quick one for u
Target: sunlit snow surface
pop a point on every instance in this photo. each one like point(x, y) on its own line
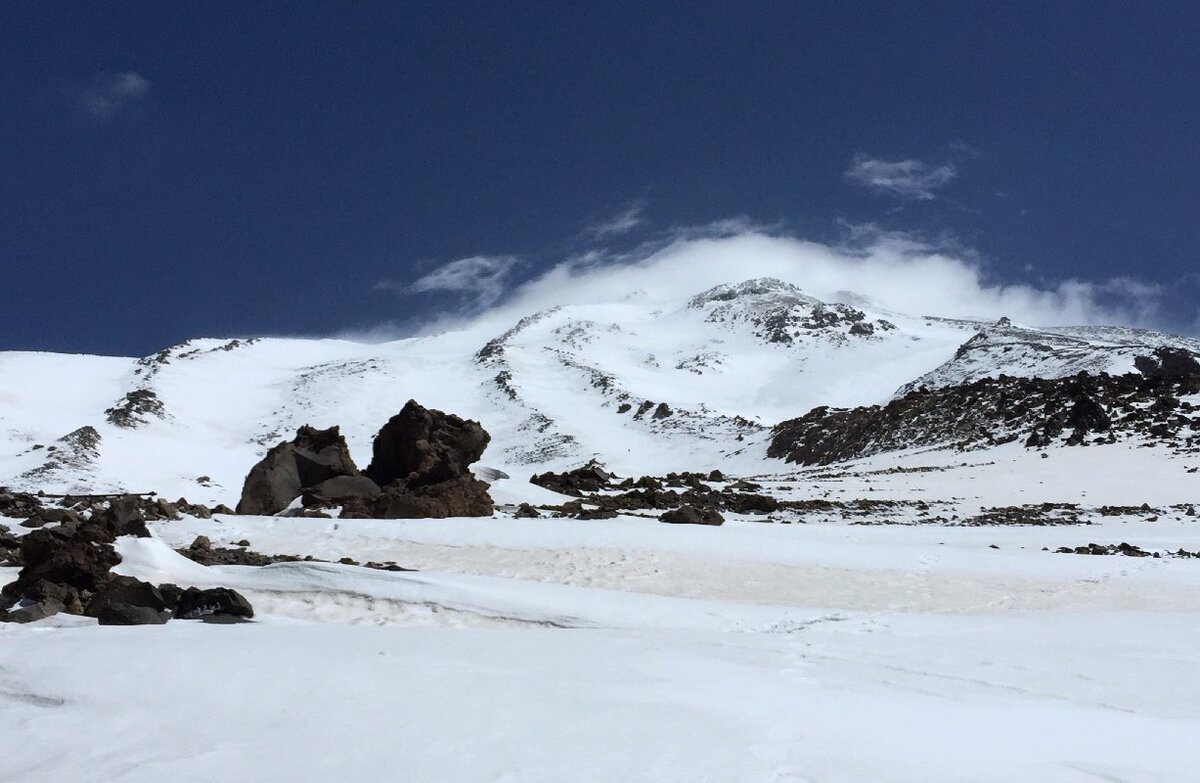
point(617, 650)
point(557, 650)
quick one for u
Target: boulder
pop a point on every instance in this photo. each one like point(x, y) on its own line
point(423, 447)
point(690, 515)
point(128, 614)
point(122, 517)
point(32, 612)
point(465, 496)
point(340, 488)
point(312, 457)
point(216, 604)
point(126, 591)
point(62, 563)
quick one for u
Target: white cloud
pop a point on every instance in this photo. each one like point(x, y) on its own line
point(480, 280)
point(621, 223)
point(894, 271)
point(112, 92)
point(906, 179)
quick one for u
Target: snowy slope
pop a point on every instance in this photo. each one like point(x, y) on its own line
point(647, 384)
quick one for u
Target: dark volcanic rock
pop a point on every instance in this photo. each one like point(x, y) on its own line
point(38, 610)
point(128, 591)
point(123, 600)
point(271, 484)
point(422, 447)
point(62, 563)
point(1168, 363)
point(1042, 411)
point(592, 477)
point(690, 515)
point(339, 488)
point(128, 614)
point(18, 504)
point(312, 457)
point(123, 517)
point(526, 511)
point(220, 604)
point(465, 496)
point(134, 407)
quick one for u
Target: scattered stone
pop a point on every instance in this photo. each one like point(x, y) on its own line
point(1106, 549)
point(596, 513)
point(526, 511)
point(201, 542)
point(592, 477)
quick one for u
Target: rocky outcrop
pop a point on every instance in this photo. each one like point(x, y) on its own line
point(66, 567)
point(1168, 363)
point(134, 408)
point(465, 496)
point(421, 446)
point(311, 458)
point(420, 468)
point(1041, 412)
point(592, 477)
point(422, 458)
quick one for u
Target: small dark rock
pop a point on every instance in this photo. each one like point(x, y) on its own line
point(213, 603)
point(690, 515)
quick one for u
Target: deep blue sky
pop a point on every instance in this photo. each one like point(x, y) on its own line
point(170, 170)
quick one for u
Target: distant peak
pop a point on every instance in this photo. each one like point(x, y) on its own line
point(760, 287)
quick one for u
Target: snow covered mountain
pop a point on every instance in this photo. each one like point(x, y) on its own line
point(691, 384)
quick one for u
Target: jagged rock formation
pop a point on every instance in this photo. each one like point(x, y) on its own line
point(312, 458)
point(134, 408)
point(1041, 412)
point(422, 446)
point(420, 468)
point(422, 459)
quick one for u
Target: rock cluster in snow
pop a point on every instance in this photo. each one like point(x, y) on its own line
point(66, 566)
point(420, 468)
point(1041, 412)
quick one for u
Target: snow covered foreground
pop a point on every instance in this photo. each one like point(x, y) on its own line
point(619, 650)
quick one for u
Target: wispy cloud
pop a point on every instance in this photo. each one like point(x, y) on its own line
point(112, 92)
point(912, 180)
point(479, 280)
point(621, 223)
